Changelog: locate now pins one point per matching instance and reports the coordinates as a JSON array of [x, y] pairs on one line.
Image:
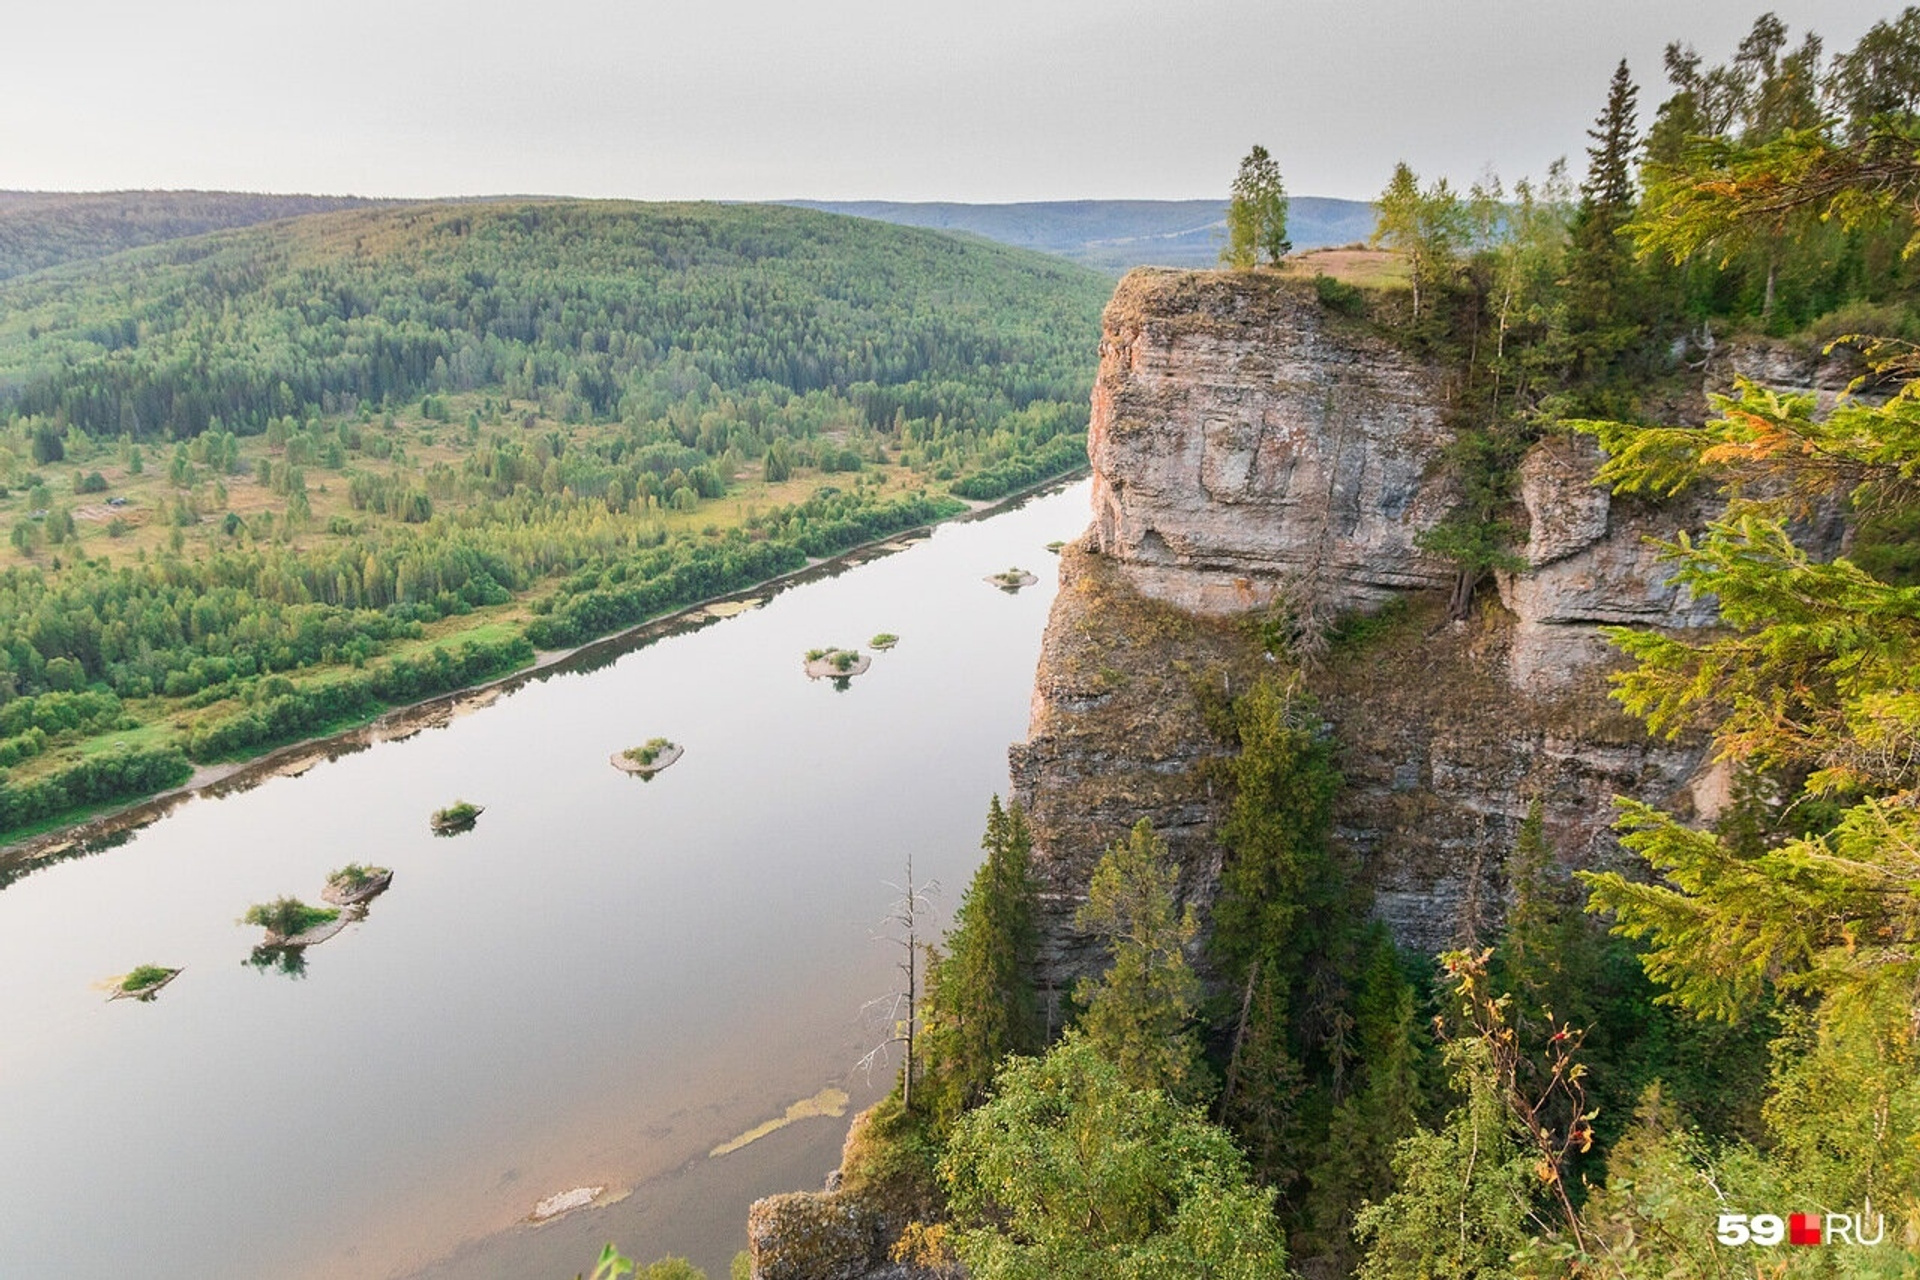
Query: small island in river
[[836, 664], [143, 983], [291, 923], [458, 816], [354, 884], [1012, 580], [649, 758], [884, 641]]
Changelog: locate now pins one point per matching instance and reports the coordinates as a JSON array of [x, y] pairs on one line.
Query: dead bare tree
[[901, 1009]]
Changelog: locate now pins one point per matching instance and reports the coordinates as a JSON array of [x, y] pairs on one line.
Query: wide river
[[603, 981]]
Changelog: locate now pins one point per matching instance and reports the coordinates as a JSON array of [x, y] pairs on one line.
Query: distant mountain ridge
[[1113, 235], [40, 229]]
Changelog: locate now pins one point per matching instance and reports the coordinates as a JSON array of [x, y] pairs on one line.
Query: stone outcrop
[[1249, 445], [1593, 560], [846, 1231], [1248, 442]]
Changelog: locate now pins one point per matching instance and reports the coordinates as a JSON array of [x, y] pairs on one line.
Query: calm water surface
[[602, 981]]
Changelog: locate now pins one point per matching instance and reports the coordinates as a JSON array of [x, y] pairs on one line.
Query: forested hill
[[592, 299], [1113, 235], [41, 229], [263, 483]]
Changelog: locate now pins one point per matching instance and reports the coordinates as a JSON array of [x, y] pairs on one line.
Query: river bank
[[595, 987], [92, 831]]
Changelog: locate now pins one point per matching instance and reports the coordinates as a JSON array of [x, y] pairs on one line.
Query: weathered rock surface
[[1593, 560], [1441, 752], [1246, 444], [845, 1232], [1246, 441]]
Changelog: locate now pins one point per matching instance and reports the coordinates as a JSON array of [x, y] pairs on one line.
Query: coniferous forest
[[268, 481]]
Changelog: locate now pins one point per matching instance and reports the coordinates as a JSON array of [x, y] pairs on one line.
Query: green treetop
[[1140, 1013], [1257, 213]]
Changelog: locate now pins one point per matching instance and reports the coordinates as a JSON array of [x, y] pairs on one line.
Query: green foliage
[[648, 751], [1256, 213], [1810, 688], [1335, 295], [355, 876], [1055, 457], [1465, 1199], [457, 814], [1281, 901], [1429, 226], [1141, 1012], [615, 307], [145, 976], [278, 710], [1071, 1172], [980, 1006], [120, 774], [289, 917]]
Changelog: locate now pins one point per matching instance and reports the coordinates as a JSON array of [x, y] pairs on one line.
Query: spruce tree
[[980, 1001], [1141, 1012], [1600, 315]]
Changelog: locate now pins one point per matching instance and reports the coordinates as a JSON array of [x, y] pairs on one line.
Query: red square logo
[[1803, 1228]]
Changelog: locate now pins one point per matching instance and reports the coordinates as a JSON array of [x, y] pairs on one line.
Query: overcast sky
[[833, 99]]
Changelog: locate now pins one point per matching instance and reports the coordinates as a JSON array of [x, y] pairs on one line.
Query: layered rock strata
[[1246, 442], [1251, 448]]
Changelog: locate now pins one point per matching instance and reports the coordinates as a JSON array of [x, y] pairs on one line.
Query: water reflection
[[708, 943], [290, 961]]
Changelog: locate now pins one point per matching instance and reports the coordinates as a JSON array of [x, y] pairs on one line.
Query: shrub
[[289, 917]]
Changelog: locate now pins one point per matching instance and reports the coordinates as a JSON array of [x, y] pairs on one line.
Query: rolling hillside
[[263, 483], [40, 229]]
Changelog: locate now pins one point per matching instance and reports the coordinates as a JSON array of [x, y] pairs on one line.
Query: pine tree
[[1283, 904], [1814, 681]]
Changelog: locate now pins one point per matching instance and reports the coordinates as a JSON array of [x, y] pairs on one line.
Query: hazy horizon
[[845, 100]]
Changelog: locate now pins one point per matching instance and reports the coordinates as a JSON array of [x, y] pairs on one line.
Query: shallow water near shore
[[600, 983]]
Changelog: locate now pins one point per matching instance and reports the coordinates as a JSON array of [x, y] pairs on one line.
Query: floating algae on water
[[829, 1102]]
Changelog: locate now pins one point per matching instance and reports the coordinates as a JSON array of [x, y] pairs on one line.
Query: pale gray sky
[[834, 99]]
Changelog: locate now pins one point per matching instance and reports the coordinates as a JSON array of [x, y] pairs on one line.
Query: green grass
[[289, 917], [458, 814], [649, 752], [355, 876], [147, 975]]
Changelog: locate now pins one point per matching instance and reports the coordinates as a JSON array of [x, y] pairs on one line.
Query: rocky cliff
[[1254, 451], [1252, 448]]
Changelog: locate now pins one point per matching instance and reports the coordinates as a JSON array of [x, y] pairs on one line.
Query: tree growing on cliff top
[[1256, 213]]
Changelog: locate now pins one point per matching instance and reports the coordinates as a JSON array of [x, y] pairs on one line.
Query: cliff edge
[[1253, 448]]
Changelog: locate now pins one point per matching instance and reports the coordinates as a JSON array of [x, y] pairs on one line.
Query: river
[[603, 980]]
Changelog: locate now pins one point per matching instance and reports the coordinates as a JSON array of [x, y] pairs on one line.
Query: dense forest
[[1698, 1069], [40, 229], [264, 482]]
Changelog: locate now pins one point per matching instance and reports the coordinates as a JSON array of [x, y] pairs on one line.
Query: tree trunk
[[1461, 600]]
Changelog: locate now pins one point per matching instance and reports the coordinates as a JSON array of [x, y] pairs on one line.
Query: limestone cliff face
[[1246, 441], [1246, 445]]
